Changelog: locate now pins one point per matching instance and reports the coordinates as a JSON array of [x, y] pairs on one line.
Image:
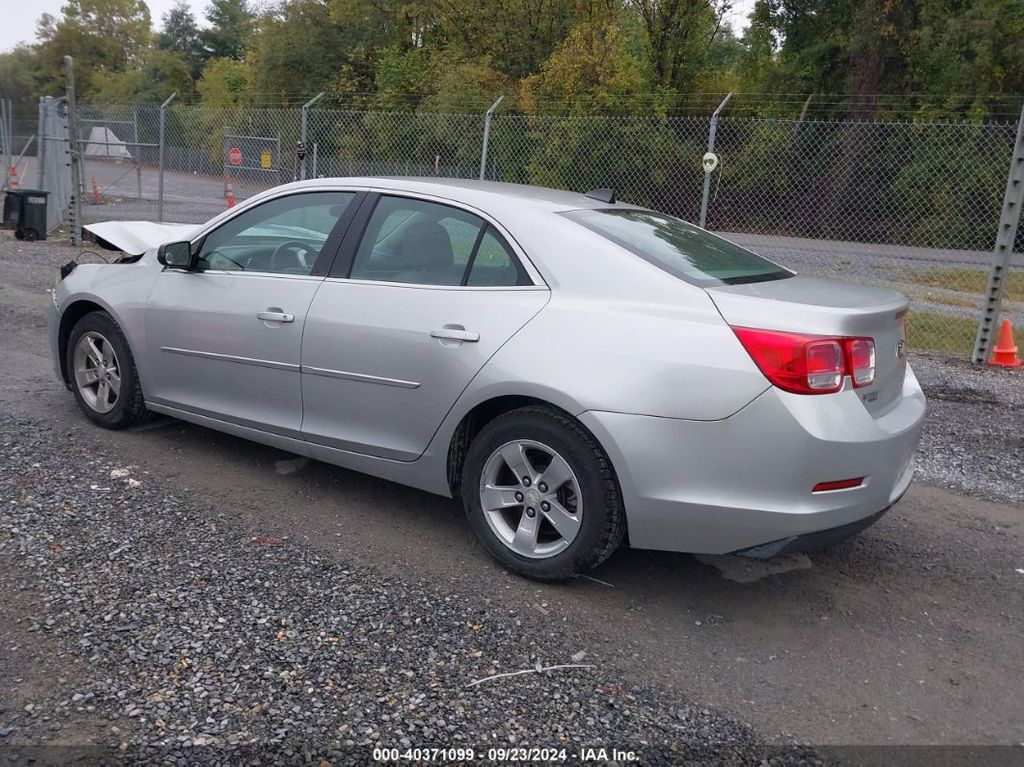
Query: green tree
[[223, 84], [232, 24], [679, 36], [180, 33], [162, 74], [20, 79], [102, 36], [970, 55], [302, 49], [593, 70]]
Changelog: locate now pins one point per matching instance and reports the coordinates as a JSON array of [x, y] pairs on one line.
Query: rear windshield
[[681, 249]]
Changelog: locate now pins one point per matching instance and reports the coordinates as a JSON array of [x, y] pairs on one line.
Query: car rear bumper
[[745, 482], [795, 544]]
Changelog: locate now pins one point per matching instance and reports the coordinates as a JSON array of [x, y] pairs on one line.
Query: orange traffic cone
[[97, 198], [229, 192], [12, 181], [1005, 354]]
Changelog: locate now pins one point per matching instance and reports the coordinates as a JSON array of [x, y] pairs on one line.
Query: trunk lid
[[824, 307], [136, 237]]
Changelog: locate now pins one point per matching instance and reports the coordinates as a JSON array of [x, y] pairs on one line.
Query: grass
[[947, 299], [966, 280], [941, 333]]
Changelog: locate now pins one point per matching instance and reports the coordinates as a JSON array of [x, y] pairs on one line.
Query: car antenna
[[603, 194]]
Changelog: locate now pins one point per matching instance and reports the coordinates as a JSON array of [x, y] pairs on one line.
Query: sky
[[19, 17]]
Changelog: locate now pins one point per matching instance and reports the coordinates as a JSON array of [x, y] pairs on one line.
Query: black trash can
[[25, 213]]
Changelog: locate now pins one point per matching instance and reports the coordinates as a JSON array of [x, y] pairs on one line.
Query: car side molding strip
[[360, 377], [232, 358]]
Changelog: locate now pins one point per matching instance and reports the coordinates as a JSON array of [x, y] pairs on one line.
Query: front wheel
[[541, 495], [102, 373]]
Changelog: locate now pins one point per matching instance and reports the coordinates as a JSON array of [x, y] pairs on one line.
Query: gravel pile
[[185, 630], [973, 437]]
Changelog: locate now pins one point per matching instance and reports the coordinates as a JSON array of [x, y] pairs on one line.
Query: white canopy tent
[[104, 143]]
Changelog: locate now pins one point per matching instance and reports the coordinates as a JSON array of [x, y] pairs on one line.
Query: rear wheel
[[102, 373], [541, 495]]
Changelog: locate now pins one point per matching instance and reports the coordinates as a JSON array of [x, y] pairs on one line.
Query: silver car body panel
[[710, 457], [136, 237], [207, 350], [396, 378]]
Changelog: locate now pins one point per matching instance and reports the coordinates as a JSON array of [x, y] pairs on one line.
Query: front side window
[[283, 236], [427, 243], [681, 249]]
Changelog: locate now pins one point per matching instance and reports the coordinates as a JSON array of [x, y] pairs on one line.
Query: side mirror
[[177, 255]]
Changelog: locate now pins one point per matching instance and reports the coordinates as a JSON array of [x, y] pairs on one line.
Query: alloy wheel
[[531, 499], [97, 373]]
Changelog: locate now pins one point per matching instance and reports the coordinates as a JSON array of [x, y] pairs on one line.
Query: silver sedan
[[578, 370]]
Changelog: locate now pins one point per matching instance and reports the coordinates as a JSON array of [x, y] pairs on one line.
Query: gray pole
[[138, 151], [5, 139], [711, 148], [43, 141], [1008, 222], [487, 136], [76, 154], [160, 162], [302, 135]]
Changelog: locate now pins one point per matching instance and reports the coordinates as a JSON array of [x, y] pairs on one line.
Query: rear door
[[423, 295], [225, 338]]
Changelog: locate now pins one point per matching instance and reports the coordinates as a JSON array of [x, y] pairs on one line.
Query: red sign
[[235, 156]]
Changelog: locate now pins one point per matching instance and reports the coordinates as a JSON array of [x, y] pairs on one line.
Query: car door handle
[[455, 334], [275, 316]]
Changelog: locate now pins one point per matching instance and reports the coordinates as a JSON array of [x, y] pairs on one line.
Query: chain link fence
[[913, 206]]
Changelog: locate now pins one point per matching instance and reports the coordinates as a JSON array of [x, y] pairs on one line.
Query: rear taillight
[[809, 364], [860, 358]]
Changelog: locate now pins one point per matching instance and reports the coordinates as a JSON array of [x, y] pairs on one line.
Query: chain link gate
[[251, 162]]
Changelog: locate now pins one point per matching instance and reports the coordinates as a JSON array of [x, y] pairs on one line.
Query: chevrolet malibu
[[581, 372]]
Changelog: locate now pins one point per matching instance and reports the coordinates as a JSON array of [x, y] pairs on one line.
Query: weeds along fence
[[914, 206]]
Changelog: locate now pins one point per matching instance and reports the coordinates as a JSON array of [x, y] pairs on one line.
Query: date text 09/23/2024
[[504, 754]]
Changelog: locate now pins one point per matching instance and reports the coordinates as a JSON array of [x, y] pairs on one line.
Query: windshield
[[681, 249]]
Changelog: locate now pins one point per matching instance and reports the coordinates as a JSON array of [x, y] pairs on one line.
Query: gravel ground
[[903, 635], [195, 632], [973, 438]]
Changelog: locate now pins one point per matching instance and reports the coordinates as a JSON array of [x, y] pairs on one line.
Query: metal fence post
[[712, 130], [75, 149], [5, 141], [138, 151], [160, 164], [487, 136], [302, 135], [43, 141], [1001, 255]]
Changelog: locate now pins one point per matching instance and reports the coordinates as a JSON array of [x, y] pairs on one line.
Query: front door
[[432, 293], [225, 337]]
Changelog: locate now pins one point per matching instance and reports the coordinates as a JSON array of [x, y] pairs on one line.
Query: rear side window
[[493, 265], [681, 249], [427, 243]]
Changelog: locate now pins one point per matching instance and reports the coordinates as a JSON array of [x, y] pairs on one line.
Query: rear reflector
[[809, 364], [838, 484]]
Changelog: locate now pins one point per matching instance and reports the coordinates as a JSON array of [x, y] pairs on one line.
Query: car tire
[[597, 524], [97, 357]]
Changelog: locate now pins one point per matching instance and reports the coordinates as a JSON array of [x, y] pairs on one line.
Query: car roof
[[466, 191]]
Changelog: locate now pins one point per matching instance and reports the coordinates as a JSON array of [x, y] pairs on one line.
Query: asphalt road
[[909, 633]]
